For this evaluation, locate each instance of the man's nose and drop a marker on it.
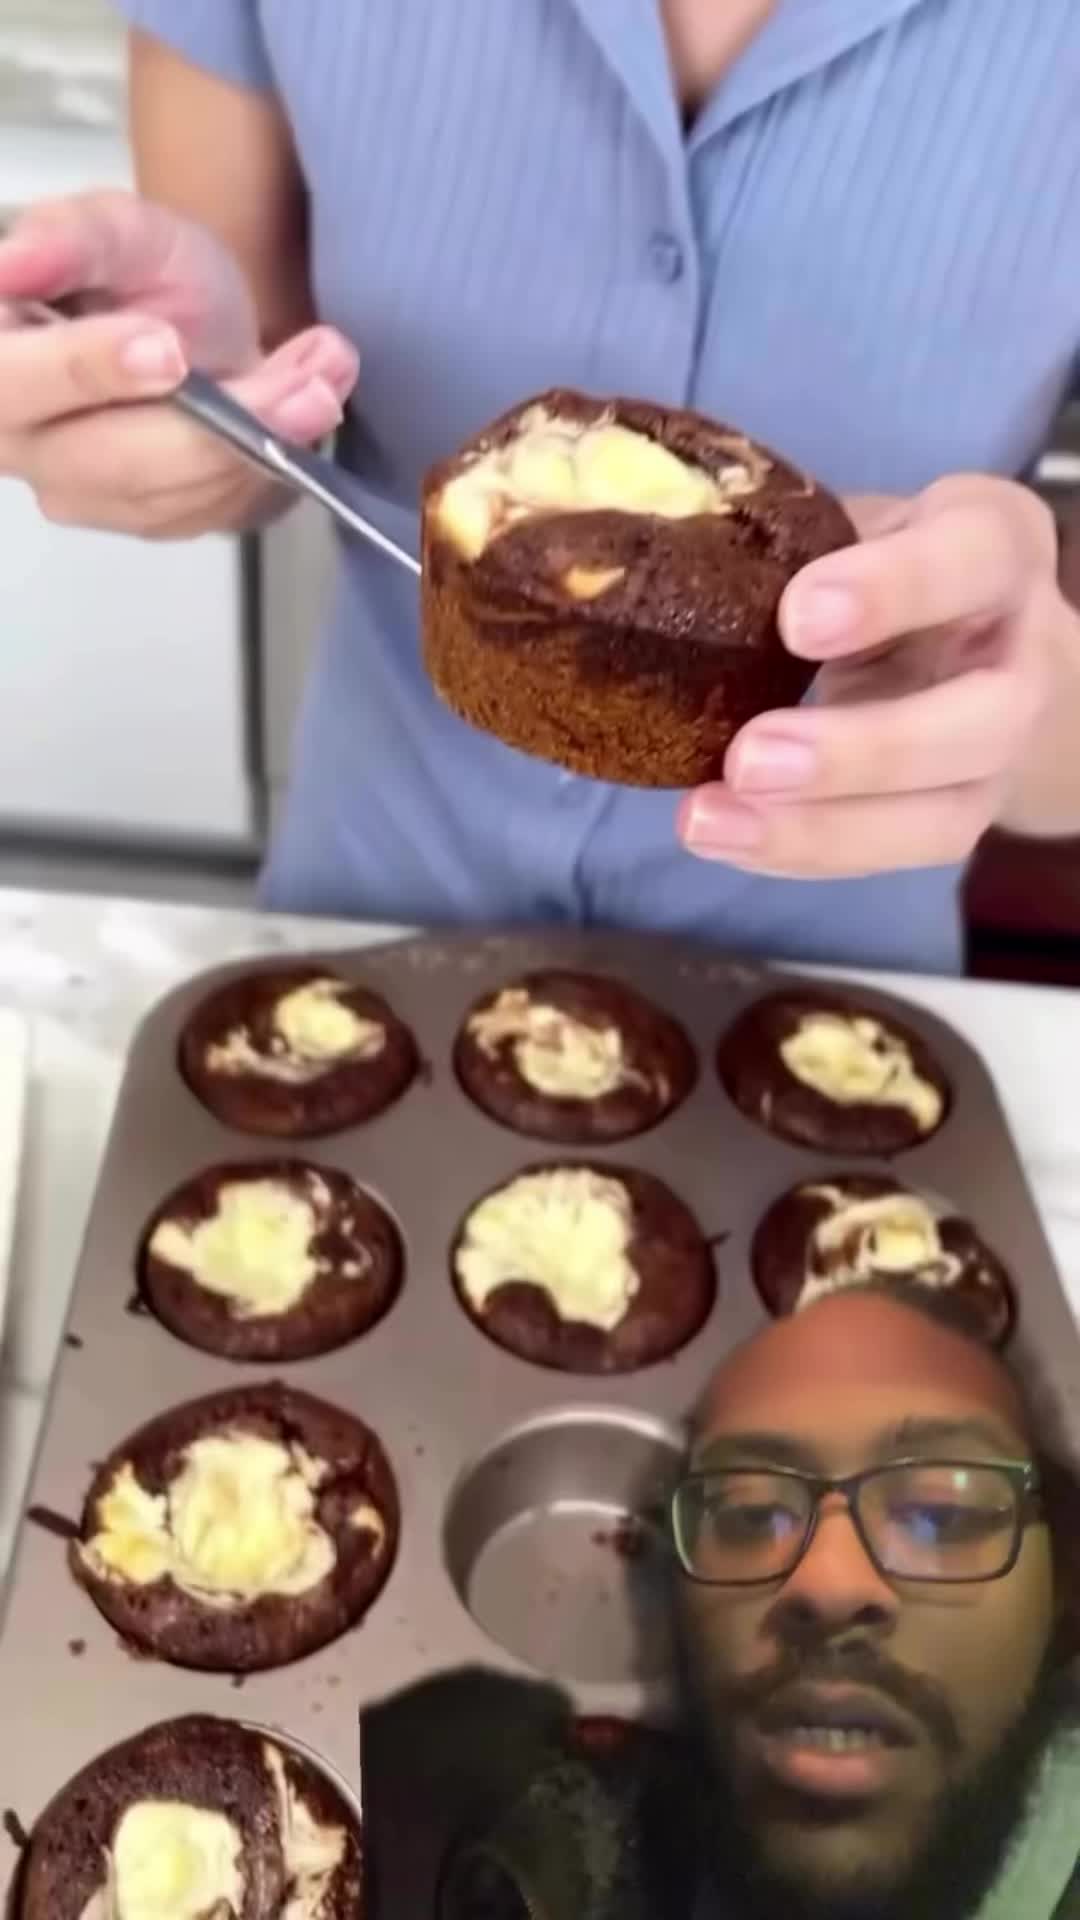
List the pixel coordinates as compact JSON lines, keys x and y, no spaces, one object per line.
{"x":836,"y":1582}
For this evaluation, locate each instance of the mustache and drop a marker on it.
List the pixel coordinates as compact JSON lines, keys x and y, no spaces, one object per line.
{"x":852,"y":1665}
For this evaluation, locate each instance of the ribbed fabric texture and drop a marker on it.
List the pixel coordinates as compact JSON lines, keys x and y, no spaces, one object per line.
{"x":867,"y":252}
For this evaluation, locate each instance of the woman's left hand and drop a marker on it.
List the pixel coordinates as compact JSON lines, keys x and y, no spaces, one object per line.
{"x":938,"y":636}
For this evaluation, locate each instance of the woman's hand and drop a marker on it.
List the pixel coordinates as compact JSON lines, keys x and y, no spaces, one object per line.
{"x":941,"y":637}
{"x":80,"y":415}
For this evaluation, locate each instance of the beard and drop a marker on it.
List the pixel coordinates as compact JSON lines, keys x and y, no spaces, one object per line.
{"x":949,"y":1868}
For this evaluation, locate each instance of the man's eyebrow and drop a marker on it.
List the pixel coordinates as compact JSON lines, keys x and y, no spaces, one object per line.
{"x":916,"y":1434}
{"x":926,"y":1433}
{"x":756,"y":1447}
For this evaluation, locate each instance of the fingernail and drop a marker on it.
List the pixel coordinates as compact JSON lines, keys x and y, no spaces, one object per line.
{"x":154,"y":358}
{"x":765,"y":763}
{"x":821,"y":617}
{"x":714,"y":827}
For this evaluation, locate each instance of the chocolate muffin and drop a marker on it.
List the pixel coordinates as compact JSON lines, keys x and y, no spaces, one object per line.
{"x":240,"y":1531}
{"x":270,"y":1262}
{"x":601,"y":581}
{"x":856,"y":1229}
{"x":572,"y":1057}
{"x":196,"y":1816}
{"x":295,"y":1052}
{"x":587,"y":1269}
{"x":825,"y":1072}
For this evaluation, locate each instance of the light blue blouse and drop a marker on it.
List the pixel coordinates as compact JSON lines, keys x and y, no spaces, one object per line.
{"x":867,"y":252}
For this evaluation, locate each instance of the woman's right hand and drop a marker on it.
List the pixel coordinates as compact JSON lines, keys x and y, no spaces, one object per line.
{"x":81,"y":414}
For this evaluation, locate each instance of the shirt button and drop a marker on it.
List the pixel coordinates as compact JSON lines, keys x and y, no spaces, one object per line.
{"x":667,"y":256}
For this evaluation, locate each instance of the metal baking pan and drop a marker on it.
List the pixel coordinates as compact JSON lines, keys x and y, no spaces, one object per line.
{"x":512,"y":1478}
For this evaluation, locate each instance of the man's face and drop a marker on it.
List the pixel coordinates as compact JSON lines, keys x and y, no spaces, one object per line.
{"x":945,"y":1675}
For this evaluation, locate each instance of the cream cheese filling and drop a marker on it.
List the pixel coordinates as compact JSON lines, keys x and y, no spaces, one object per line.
{"x":172,"y":1861}
{"x":313,"y":1030}
{"x":566,"y":1230}
{"x":555,"y":464}
{"x":860,"y":1240}
{"x":313,"y":1853}
{"x":237,"y":1522}
{"x":255,"y":1250}
{"x":556,"y":1055}
{"x":858,"y":1062}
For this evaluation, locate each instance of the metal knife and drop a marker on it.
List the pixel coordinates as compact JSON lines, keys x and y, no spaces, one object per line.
{"x":204,"y":401}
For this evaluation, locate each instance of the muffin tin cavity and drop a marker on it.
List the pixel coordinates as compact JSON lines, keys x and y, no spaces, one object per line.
{"x":518,"y":1458}
{"x":556,"y":1543}
{"x":270,"y":1261}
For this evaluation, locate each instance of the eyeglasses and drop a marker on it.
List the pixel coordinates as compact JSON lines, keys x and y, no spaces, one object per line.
{"x":936,"y":1520}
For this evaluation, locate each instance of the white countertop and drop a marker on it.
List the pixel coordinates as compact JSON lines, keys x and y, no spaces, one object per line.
{"x":87,"y":969}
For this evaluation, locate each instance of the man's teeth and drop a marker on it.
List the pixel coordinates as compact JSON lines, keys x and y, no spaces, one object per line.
{"x":834,"y":1739}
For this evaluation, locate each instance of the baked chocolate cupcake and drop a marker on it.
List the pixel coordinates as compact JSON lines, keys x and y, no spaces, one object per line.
{"x":574,"y":1058}
{"x":601,"y":581}
{"x":586,"y":1269}
{"x":270,"y":1262}
{"x":240,"y":1531}
{"x":295,"y":1052}
{"x":859,"y":1229}
{"x":826,"y":1072}
{"x":196,"y":1817}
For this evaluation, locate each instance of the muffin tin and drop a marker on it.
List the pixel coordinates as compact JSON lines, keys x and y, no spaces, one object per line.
{"x":515,"y":1481}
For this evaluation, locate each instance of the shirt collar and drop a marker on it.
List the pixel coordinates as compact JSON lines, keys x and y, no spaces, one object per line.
{"x":800,"y":37}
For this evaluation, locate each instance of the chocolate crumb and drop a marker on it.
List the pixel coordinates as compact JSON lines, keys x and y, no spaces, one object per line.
{"x":77,"y":1648}
{"x":52,"y":1522}
{"x":15,"y":1830}
{"x":627,"y":1539}
{"x":73,"y":1341}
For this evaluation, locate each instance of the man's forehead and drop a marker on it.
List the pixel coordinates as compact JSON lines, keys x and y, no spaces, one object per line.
{"x":853,"y":1366}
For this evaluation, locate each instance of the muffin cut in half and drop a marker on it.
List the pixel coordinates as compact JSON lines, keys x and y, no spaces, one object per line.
{"x":601,"y":580}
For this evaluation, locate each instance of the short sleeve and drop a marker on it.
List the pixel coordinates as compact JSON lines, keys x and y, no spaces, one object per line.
{"x":224,"y":36}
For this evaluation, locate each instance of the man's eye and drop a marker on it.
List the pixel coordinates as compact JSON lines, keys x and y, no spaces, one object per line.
{"x":939,"y":1523}
{"x":749,"y":1525}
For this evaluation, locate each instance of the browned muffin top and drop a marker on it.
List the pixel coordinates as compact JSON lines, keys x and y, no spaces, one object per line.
{"x":196,"y":1819}
{"x":631,"y":512}
{"x":573,"y":1056}
{"x":296,"y":1050}
{"x":240,"y":1530}
{"x":592,"y":1269}
{"x":857,"y":1229}
{"x":275,"y":1260}
{"x":829,"y":1072}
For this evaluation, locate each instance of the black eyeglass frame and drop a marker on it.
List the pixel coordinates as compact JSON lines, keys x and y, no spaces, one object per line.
{"x":1022,"y":1475}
